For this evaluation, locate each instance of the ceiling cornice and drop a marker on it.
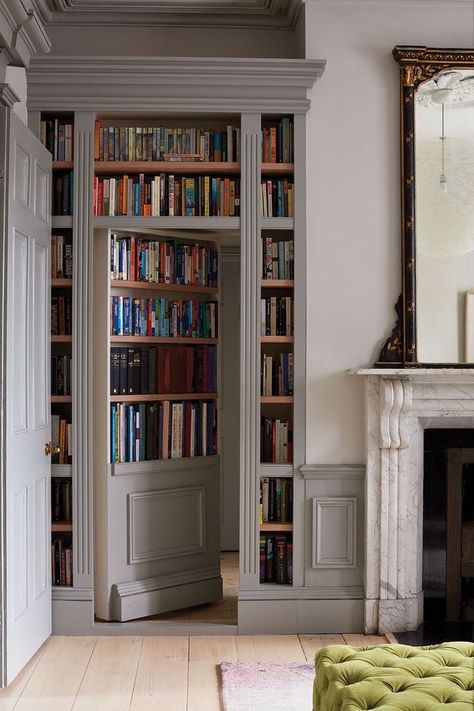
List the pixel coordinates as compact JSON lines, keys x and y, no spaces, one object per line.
{"x":257,"y":14}
{"x":22,"y":32}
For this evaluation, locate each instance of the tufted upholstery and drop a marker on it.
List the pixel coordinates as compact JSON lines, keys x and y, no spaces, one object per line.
{"x":395,"y":677}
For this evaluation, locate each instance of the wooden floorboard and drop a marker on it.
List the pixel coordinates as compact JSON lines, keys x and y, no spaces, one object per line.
{"x":149,"y":673}
{"x":10,"y":695}
{"x":110,"y":677}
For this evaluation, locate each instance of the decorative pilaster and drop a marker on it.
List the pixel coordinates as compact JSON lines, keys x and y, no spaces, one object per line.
{"x":82,"y":408}
{"x":250,"y":350}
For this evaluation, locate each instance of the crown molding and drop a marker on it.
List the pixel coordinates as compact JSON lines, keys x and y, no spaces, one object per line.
{"x":7,"y":96}
{"x":22,"y":32}
{"x":257,"y":14}
{"x":217,"y":84}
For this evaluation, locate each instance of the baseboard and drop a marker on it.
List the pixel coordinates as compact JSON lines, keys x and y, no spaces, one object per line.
{"x":143,"y":603}
{"x":301,"y":616}
{"x":73,"y":617}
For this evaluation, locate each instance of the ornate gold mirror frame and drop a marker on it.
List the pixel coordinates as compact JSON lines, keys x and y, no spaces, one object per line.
{"x":417,"y":64}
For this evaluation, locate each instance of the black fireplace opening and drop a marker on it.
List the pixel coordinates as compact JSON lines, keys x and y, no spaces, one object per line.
{"x":448,"y":538}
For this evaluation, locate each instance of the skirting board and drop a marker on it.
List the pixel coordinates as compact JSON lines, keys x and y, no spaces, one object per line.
{"x":144,"y":604}
{"x":300,"y":616}
{"x":73,"y":617}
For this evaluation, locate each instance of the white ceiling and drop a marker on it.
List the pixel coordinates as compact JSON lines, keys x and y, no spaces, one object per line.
{"x":278,"y":14}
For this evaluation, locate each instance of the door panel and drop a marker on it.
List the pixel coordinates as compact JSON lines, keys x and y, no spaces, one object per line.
{"x":27,"y":481}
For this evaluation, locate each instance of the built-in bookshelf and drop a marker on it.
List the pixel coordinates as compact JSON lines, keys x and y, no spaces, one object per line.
{"x":57,"y":134}
{"x":276,"y":354}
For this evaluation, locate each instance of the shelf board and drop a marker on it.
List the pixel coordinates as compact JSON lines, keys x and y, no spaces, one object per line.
{"x":61,"y":339}
{"x":174,"y":167}
{"x":152,"y":466}
{"x":277,"y":223}
{"x":166,"y":223}
{"x":277,"y":283}
{"x":153,"y":286}
{"x":61,"y":222}
{"x":61,"y":527}
{"x":277,"y":527}
{"x":158,"y":397}
{"x":157,"y":340}
{"x":278,"y":168}
{"x":276,"y":339}
{"x":276,"y":470}
{"x":63,"y":164}
{"x":61,"y":470}
{"x":277,"y":399}
{"x":61,"y":282}
{"x":60,"y":398}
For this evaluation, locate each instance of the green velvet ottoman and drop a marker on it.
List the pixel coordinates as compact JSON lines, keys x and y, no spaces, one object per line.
{"x":395,"y":677}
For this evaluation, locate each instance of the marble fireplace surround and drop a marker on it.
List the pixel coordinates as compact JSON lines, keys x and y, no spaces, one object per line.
{"x":400,"y":405}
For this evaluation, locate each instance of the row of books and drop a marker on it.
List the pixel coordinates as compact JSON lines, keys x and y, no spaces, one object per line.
{"x":276,"y":441}
{"x":61,"y":562}
{"x":276,"y":559}
{"x":277,"y":374}
{"x":162,"y":262}
{"x":278,"y":198}
{"x":163,"y":143}
{"x":61,"y":500}
{"x":167,"y":195}
{"x":61,"y":436}
{"x":61,"y":257}
{"x":277,"y":142}
{"x":163,"y":369}
{"x":61,"y":315}
{"x":135,"y":316}
{"x":276,"y":500}
{"x":277,"y":259}
{"x":162,"y":430}
{"x":57,"y":135}
{"x":61,"y":374}
{"x":277,"y":316}
{"x":63,"y":186}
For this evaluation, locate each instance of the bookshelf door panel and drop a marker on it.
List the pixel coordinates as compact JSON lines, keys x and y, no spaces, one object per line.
{"x":164,"y":538}
{"x":28,"y":593}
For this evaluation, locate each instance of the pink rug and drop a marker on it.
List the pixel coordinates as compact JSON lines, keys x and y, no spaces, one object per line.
{"x":267,"y":686}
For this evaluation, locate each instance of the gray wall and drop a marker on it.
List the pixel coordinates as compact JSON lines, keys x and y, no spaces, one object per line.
{"x":353,"y":198}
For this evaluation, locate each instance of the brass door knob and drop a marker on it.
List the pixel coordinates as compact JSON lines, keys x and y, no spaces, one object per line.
{"x":49,"y":448}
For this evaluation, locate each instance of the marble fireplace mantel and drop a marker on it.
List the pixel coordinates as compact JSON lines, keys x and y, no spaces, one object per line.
{"x":400,"y":404}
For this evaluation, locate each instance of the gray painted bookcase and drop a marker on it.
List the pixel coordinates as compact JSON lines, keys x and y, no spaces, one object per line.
{"x":249,"y":91}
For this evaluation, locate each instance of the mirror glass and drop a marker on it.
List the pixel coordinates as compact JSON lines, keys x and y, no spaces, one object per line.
{"x":444,"y":200}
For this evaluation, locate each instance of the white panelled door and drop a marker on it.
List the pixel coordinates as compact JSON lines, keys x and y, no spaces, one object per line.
{"x":27,"y":601}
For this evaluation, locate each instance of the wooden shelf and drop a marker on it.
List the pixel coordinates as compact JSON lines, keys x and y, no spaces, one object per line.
{"x":277,"y":399}
{"x":278,"y":168}
{"x":268,"y":527}
{"x":277,"y":283}
{"x":157,"y":340}
{"x":61,"y":222}
{"x":61,"y":527}
{"x":63,"y":164}
{"x":276,"y":339}
{"x":158,"y":397}
{"x":127,"y":222}
{"x":60,"y":398}
{"x":277,"y":223}
{"x":61,"y":470}
{"x":61,"y":282}
{"x":61,"y":339}
{"x":155,"y":167}
{"x":153,"y":286}
{"x":276,"y":470}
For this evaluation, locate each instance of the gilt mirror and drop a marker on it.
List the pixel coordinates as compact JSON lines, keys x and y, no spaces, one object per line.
{"x":435,"y":312}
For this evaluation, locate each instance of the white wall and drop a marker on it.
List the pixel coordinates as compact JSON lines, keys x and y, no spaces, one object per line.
{"x":354,"y":197}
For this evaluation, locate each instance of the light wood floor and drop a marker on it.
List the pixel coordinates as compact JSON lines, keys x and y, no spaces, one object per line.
{"x":145,"y":673}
